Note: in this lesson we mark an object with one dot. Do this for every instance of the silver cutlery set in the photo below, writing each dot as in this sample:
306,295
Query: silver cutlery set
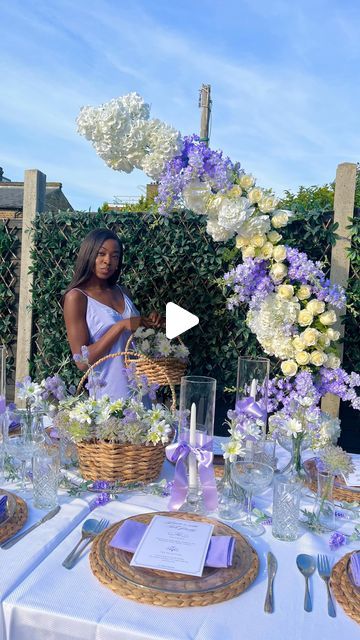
307,566
90,529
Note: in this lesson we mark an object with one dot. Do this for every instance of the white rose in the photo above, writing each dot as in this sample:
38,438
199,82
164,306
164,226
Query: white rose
247,181
218,233
280,219
310,336
278,272
258,240
329,317
302,357
285,291
304,292
305,318
274,236
298,344
279,253
241,242
332,362
254,195
318,358
268,204
316,306
289,367
332,334
266,251
235,191
248,252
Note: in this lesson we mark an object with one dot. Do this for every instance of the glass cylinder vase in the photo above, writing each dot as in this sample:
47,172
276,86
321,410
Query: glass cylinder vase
196,428
230,497
324,507
252,389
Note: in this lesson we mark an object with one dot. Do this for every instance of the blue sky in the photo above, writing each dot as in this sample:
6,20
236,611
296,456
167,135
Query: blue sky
284,78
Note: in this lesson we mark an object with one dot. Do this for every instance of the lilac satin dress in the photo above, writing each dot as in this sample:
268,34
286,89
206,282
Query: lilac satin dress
99,318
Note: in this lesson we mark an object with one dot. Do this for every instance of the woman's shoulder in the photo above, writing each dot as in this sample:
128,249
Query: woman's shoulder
124,290
75,297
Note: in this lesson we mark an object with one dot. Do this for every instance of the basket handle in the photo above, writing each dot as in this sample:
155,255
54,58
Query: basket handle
133,356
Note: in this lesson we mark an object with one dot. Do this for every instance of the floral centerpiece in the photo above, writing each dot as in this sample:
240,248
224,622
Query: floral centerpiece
119,440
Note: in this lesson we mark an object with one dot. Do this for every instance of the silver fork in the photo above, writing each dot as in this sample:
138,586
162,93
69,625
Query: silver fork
324,573
102,525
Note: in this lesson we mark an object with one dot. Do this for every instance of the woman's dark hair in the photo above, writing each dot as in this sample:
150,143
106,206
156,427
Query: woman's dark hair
88,252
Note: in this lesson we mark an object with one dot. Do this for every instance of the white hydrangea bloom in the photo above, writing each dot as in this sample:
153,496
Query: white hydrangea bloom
233,213
269,323
196,196
218,233
256,225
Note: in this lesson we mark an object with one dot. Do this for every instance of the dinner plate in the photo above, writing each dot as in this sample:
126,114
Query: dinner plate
148,586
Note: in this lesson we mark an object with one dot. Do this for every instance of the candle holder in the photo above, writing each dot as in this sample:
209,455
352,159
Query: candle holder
196,432
252,389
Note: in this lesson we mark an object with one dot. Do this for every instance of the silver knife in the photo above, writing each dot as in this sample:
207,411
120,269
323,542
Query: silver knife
9,543
271,568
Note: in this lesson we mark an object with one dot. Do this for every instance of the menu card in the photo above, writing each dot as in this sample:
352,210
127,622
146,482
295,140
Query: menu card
353,479
175,545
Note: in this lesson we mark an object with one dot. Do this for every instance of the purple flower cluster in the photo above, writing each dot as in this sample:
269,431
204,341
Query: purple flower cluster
340,383
302,269
196,162
82,357
54,388
337,539
250,282
139,385
99,501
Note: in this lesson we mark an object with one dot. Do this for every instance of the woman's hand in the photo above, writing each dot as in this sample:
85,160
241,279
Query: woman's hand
154,319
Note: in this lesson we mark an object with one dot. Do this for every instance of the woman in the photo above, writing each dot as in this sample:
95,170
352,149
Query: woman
99,313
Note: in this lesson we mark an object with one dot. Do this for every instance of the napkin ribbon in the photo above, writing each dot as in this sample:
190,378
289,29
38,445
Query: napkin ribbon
178,453
251,408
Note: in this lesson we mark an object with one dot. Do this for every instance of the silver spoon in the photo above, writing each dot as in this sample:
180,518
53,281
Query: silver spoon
306,565
89,530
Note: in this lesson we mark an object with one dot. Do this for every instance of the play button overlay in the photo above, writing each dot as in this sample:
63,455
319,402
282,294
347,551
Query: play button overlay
178,320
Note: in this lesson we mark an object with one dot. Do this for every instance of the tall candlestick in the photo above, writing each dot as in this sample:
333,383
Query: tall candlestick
192,442
253,388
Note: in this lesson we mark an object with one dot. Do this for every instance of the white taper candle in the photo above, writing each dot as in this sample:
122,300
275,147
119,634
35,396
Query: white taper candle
192,442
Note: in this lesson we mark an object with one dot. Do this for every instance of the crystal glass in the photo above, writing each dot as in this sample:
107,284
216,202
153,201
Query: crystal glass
230,496
30,435
253,477
324,507
196,427
264,451
252,383
46,467
295,446
286,508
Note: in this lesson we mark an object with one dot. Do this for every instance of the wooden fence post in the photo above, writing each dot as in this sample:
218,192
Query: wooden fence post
340,264
33,202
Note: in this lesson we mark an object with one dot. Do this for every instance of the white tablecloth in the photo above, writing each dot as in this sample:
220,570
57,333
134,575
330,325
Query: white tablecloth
48,602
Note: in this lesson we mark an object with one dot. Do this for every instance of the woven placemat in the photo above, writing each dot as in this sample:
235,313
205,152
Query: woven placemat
112,568
343,590
18,519
340,491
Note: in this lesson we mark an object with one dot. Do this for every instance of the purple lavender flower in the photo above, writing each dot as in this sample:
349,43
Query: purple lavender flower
100,500
337,539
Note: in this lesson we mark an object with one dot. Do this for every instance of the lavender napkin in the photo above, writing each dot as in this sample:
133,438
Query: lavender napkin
355,567
220,551
3,505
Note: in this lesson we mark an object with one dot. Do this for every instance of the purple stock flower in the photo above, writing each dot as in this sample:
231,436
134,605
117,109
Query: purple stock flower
100,500
337,539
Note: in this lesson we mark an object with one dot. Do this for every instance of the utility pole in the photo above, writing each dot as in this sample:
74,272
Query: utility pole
205,103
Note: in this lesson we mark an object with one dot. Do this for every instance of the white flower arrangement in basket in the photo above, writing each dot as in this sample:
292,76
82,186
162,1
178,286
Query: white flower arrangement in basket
155,344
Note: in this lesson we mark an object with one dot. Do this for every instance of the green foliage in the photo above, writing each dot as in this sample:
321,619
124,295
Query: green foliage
309,198
9,244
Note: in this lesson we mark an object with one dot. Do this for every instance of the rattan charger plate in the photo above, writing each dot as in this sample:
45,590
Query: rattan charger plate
344,591
340,492
112,568
17,516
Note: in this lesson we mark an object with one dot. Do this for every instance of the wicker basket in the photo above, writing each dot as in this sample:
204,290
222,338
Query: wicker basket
163,371
124,463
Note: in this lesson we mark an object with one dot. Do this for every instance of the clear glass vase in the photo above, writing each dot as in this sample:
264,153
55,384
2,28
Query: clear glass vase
295,446
230,497
324,507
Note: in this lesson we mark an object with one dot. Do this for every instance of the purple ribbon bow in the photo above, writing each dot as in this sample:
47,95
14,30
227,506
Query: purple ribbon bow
251,408
178,453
